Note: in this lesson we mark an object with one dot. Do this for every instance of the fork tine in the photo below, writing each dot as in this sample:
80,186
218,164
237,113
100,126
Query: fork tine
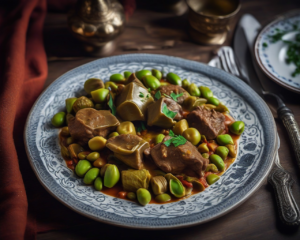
227,51
232,61
223,60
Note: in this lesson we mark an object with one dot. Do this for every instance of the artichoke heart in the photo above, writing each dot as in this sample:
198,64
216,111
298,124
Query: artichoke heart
175,185
196,183
129,149
133,101
159,185
132,180
156,117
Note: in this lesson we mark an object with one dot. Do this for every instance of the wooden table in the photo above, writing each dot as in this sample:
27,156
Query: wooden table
257,218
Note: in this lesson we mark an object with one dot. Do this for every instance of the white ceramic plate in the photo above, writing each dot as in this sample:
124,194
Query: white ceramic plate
271,57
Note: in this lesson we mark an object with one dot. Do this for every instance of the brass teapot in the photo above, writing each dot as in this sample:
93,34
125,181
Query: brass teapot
96,22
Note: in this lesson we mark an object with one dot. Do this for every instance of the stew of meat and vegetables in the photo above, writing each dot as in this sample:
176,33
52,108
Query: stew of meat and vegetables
147,138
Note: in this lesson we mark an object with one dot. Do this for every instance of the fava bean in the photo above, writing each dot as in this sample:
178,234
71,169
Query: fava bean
117,78
213,101
131,195
192,135
211,168
81,103
151,82
99,163
156,73
140,74
127,74
185,84
126,128
159,138
218,161
203,148
237,127
91,175
69,104
70,140
224,139
93,156
205,155
194,90
180,127
100,95
163,198
65,131
232,151
98,184
113,134
82,167
206,92
83,155
212,178
97,143
174,78
59,119
143,196
222,151
111,176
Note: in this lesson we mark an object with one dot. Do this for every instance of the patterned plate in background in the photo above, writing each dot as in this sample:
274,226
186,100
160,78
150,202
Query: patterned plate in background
245,175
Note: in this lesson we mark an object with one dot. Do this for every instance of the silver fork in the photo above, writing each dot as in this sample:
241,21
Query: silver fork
279,178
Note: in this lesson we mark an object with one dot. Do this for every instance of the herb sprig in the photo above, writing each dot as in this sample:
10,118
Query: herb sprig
176,140
168,112
157,95
111,105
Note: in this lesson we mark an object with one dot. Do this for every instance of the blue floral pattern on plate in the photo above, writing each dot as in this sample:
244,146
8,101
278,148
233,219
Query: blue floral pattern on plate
254,161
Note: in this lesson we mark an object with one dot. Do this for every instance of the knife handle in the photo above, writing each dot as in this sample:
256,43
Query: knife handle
288,119
282,184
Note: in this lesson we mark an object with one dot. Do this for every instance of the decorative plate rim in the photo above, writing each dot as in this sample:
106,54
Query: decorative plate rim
261,110
256,50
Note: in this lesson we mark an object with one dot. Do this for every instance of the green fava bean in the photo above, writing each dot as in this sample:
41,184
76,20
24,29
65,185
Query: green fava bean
111,176
203,148
174,78
98,184
224,139
212,178
194,90
82,167
131,195
222,152
163,198
206,92
117,78
91,175
143,196
192,135
232,151
65,131
140,74
127,74
93,156
82,155
205,155
100,95
69,104
213,101
111,85
156,73
218,161
211,168
93,84
113,134
159,138
237,127
151,82
59,119
185,84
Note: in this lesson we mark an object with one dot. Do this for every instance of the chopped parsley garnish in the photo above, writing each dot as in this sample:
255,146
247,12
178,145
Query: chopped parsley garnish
157,95
177,140
293,51
140,126
141,95
174,96
149,89
111,105
148,95
168,112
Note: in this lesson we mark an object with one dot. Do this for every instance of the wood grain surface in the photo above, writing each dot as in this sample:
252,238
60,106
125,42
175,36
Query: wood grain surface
257,218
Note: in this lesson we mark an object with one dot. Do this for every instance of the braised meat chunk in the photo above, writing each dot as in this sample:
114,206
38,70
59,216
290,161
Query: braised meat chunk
129,149
179,159
168,89
89,123
208,122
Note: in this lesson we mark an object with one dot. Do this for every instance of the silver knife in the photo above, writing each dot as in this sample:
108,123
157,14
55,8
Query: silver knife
245,35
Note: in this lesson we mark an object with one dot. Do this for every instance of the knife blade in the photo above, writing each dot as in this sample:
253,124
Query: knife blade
244,38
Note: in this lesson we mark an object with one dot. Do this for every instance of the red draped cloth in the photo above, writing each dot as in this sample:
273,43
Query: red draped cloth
25,207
